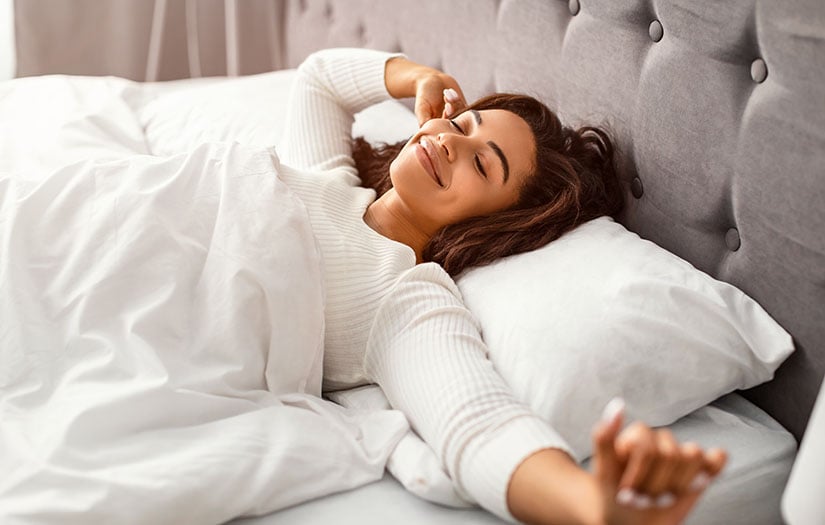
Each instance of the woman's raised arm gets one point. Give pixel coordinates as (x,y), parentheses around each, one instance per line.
(333,85)
(429,87)
(330,87)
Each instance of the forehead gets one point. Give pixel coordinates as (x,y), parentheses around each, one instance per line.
(512,134)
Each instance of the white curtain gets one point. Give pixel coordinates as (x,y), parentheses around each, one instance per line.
(149,39)
(7,57)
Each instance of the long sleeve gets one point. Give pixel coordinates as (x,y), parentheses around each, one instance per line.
(426,352)
(330,88)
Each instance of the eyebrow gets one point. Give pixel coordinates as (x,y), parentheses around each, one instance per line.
(504,164)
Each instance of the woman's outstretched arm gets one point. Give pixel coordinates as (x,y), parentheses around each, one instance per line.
(641,476)
(426,353)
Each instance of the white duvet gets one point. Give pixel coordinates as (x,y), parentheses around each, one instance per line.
(161,326)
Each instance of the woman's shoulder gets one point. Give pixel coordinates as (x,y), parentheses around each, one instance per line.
(424,300)
(428,278)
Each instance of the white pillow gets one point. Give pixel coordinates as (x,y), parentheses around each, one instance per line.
(248,110)
(601,313)
(177,116)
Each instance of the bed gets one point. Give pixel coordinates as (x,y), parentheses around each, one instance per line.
(715,109)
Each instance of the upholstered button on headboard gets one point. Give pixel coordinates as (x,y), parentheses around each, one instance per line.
(719,108)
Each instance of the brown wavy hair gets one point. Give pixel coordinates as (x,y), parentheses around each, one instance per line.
(574,179)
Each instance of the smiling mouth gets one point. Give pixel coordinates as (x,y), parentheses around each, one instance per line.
(428,159)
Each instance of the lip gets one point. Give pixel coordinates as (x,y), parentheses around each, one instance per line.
(425,151)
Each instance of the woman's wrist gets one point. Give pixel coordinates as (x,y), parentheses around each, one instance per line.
(549,487)
(403,77)
(436,93)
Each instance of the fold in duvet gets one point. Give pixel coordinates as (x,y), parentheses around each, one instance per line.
(161,332)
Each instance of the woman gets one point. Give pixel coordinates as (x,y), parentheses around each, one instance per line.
(475,183)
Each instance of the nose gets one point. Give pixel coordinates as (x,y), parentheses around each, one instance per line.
(447,142)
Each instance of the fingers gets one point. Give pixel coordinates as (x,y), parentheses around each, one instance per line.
(659,471)
(437,95)
(608,467)
(666,463)
(704,468)
(447,105)
(698,469)
(424,111)
(693,463)
(646,475)
(638,443)
(715,460)
(453,102)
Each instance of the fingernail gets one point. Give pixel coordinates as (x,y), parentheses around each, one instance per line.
(625,496)
(700,481)
(665,500)
(448,109)
(642,501)
(451,94)
(612,409)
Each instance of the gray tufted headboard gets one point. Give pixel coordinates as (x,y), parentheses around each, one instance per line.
(719,108)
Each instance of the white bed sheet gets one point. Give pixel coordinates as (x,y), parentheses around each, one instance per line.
(747,493)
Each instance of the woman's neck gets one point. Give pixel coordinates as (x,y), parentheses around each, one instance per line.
(387,216)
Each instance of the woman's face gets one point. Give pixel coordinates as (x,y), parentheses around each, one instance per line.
(472,165)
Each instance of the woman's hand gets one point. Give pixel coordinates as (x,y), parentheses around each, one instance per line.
(438,97)
(645,476)
(437,94)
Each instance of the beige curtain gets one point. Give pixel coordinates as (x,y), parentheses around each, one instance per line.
(149,39)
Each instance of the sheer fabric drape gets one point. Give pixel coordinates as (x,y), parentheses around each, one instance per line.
(148,39)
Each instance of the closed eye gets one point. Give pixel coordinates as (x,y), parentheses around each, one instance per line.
(477,160)
(456,126)
(479,167)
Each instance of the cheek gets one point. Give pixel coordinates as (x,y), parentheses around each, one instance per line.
(393,169)
(462,201)
(406,176)
(400,170)
(480,199)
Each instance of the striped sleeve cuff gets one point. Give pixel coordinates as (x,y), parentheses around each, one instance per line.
(489,464)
